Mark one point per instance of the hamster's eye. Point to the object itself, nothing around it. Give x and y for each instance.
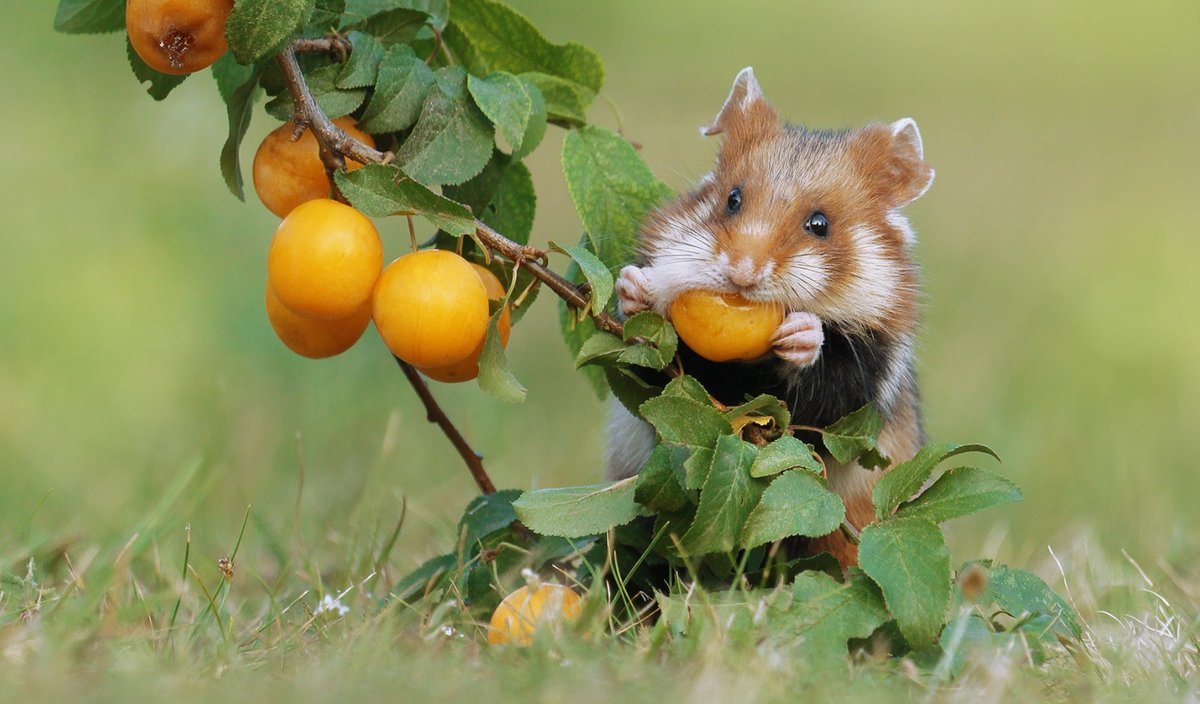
(817, 224)
(734, 202)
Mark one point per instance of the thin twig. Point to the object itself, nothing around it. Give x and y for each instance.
(435, 414)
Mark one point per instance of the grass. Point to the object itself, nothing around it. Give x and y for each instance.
(145, 399)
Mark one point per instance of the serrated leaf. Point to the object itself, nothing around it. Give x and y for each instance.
(494, 375)
(761, 406)
(490, 36)
(393, 26)
(696, 467)
(566, 101)
(229, 74)
(161, 84)
(628, 388)
(785, 453)
(961, 492)
(322, 82)
(1020, 593)
(535, 127)
(907, 478)
(795, 503)
(651, 326)
(854, 436)
(598, 276)
(642, 355)
(682, 421)
(576, 511)
(452, 140)
(575, 332)
(726, 499)
(659, 487)
(486, 514)
(600, 348)
(687, 387)
(239, 108)
(909, 560)
(256, 28)
(358, 10)
(826, 614)
(381, 190)
(361, 69)
(89, 16)
(503, 98)
(612, 190)
(402, 84)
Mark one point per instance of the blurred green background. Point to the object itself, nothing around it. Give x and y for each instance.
(1059, 245)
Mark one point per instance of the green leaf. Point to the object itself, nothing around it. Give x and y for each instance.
(486, 514)
(1020, 593)
(229, 75)
(825, 614)
(907, 478)
(420, 581)
(566, 101)
(402, 85)
(659, 487)
(489, 36)
(966, 636)
(503, 98)
(327, 15)
(796, 503)
(854, 436)
(785, 453)
(361, 69)
(909, 560)
(161, 84)
(452, 140)
(90, 16)
(697, 467)
(763, 405)
(398, 25)
(513, 205)
(687, 387)
(629, 388)
(239, 107)
(576, 511)
(535, 127)
(256, 28)
(333, 101)
(494, 375)
(961, 492)
(598, 276)
(652, 327)
(602, 347)
(381, 190)
(575, 332)
(683, 421)
(726, 499)
(612, 190)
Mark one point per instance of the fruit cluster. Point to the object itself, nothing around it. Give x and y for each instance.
(326, 282)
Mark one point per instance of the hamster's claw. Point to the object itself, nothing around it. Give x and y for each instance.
(799, 338)
(633, 290)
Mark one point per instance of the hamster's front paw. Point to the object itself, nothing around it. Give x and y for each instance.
(633, 290)
(799, 338)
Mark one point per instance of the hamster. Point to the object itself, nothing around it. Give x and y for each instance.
(809, 220)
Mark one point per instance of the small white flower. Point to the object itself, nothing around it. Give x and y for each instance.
(330, 604)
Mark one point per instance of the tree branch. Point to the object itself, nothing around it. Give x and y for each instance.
(435, 414)
(334, 140)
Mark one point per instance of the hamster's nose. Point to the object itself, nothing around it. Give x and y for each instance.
(745, 273)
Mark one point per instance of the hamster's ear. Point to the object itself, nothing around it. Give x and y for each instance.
(745, 111)
(908, 159)
(892, 157)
